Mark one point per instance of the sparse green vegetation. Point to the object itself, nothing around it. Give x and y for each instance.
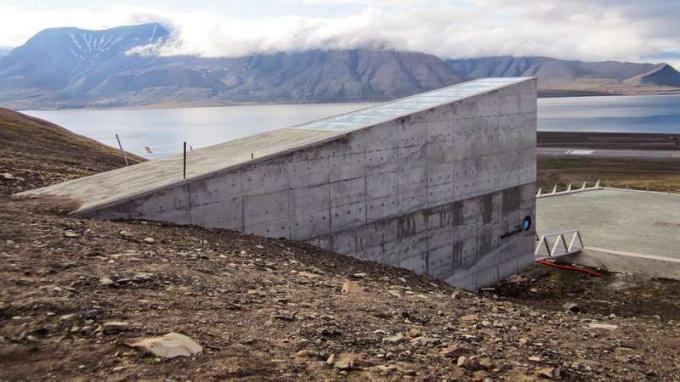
(657, 175)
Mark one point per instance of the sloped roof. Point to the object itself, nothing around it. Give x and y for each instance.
(133, 181)
(398, 108)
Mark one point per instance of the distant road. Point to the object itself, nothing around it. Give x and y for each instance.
(608, 153)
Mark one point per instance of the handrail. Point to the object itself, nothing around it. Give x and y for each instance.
(598, 186)
(569, 190)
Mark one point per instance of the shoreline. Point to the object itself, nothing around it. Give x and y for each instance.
(542, 94)
(595, 140)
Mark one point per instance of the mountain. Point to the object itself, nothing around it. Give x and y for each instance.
(662, 75)
(4, 50)
(54, 58)
(96, 68)
(71, 67)
(563, 77)
(310, 76)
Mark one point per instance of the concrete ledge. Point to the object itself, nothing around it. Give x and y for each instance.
(617, 261)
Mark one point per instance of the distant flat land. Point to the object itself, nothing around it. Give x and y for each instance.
(635, 172)
(628, 141)
(623, 90)
(608, 153)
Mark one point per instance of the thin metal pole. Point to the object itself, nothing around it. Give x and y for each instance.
(185, 160)
(121, 150)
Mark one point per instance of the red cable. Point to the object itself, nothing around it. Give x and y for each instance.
(549, 263)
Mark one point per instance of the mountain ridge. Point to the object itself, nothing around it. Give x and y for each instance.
(573, 76)
(71, 51)
(88, 71)
(71, 67)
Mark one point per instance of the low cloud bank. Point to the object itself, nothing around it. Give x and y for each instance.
(580, 29)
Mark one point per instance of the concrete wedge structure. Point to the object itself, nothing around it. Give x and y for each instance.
(441, 183)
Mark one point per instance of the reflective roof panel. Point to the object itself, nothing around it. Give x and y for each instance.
(409, 105)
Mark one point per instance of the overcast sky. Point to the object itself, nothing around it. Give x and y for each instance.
(646, 30)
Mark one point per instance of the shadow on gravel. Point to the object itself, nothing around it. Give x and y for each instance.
(623, 295)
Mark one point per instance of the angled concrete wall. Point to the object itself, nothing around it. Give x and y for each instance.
(442, 191)
(437, 183)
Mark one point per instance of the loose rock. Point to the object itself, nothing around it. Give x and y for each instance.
(571, 307)
(170, 345)
(113, 327)
(549, 372)
(595, 325)
(105, 281)
(142, 276)
(68, 317)
(350, 287)
(308, 275)
(395, 339)
(346, 361)
(480, 375)
(469, 318)
(452, 351)
(386, 368)
(470, 363)
(424, 341)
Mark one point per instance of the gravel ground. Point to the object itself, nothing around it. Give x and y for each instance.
(274, 309)
(75, 293)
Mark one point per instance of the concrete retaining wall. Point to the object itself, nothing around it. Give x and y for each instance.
(442, 191)
(626, 262)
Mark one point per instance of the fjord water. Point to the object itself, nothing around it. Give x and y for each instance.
(616, 114)
(163, 130)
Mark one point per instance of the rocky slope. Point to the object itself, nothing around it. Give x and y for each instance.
(74, 294)
(35, 152)
(557, 76)
(661, 75)
(312, 76)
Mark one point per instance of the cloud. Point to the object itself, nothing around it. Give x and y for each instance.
(572, 29)
(18, 24)
(202, 34)
(581, 29)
